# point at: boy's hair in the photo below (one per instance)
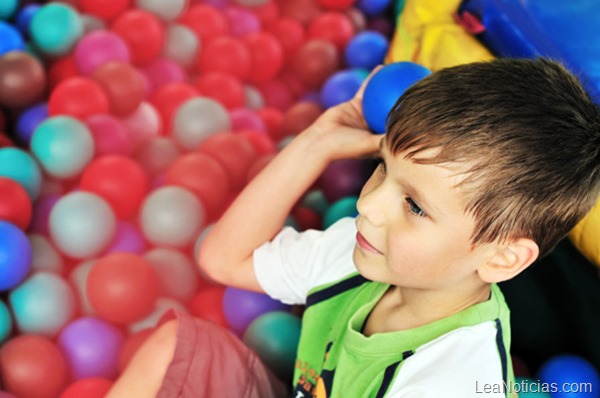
(528, 134)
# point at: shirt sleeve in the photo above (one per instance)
(294, 262)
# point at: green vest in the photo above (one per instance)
(332, 345)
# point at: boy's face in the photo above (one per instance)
(412, 227)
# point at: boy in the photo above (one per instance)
(484, 167)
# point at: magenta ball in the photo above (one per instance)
(41, 214)
(242, 21)
(92, 347)
(97, 48)
(110, 136)
(246, 119)
(163, 71)
(344, 178)
(241, 307)
(128, 239)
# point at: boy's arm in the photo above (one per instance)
(260, 210)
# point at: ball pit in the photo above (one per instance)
(136, 123)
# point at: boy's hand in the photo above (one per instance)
(342, 132)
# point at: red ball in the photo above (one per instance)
(79, 97)
(123, 84)
(15, 205)
(261, 142)
(208, 305)
(299, 117)
(336, 4)
(276, 94)
(234, 153)
(206, 21)
(268, 12)
(130, 347)
(104, 9)
(304, 11)
(168, 98)
(290, 33)
(272, 118)
(5, 141)
(143, 32)
(204, 176)
(122, 288)
(267, 56)
(223, 87)
(315, 61)
(307, 218)
(334, 27)
(93, 387)
(61, 70)
(33, 367)
(295, 85)
(228, 55)
(120, 180)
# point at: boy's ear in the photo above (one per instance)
(509, 260)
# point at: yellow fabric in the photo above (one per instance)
(585, 236)
(427, 34)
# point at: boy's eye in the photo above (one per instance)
(414, 208)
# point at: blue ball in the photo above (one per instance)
(373, 7)
(345, 207)
(29, 120)
(18, 165)
(366, 50)
(8, 8)
(572, 370)
(340, 87)
(10, 39)
(15, 255)
(25, 16)
(385, 87)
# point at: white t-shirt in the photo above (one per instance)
(467, 362)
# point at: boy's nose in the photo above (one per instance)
(372, 206)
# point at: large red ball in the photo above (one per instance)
(167, 99)
(228, 55)
(298, 117)
(143, 33)
(33, 367)
(290, 33)
(206, 21)
(79, 97)
(208, 305)
(235, 154)
(123, 85)
(335, 27)
(267, 56)
(315, 61)
(120, 180)
(205, 177)
(276, 93)
(122, 288)
(304, 11)
(93, 387)
(15, 205)
(104, 9)
(223, 87)
(272, 118)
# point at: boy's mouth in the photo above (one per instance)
(365, 245)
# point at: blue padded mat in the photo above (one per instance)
(568, 31)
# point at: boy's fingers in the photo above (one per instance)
(361, 90)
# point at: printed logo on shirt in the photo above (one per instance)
(311, 383)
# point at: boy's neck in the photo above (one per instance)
(403, 308)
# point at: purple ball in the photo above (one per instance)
(128, 239)
(344, 178)
(41, 214)
(91, 347)
(241, 307)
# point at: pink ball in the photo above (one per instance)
(163, 71)
(110, 135)
(144, 123)
(246, 119)
(242, 21)
(97, 48)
